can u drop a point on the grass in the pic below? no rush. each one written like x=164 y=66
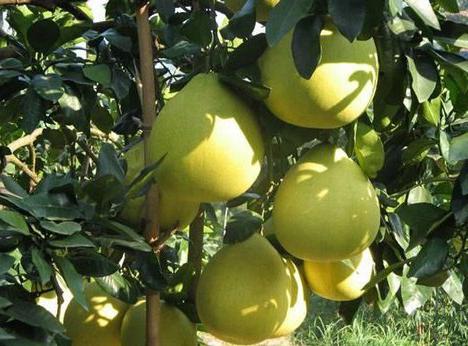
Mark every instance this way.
x=441 y=322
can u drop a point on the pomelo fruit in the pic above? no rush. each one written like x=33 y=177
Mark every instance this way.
x=243 y=293
x=262 y=7
x=211 y=140
x=100 y=326
x=173 y=211
x=175 y=328
x=325 y=209
x=298 y=296
x=339 y=91
x=341 y=280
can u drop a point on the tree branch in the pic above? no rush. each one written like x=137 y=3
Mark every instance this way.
x=145 y=46
x=24 y=167
x=195 y=251
x=25 y=140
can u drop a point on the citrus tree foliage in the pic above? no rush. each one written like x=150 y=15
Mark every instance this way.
x=70 y=106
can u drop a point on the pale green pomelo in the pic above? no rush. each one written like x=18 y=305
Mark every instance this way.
x=243 y=293
x=325 y=209
x=100 y=326
x=262 y=7
x=341 y=280
x=212 y=140
x=339 y=91
x=174 y=327
x=173 y=211
x=213 y=143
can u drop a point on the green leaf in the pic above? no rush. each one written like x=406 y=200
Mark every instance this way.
x=63 y=228
x=430 y=259
x=108 y=163
x=242 y=23
x=12 y=186
x=459 y=203
x=117 y=40
x=283 y=17
x=369 y=149
x=383 y=274
x=306 y=48
x=43 y=34
x=198 y=28
x=424 y=76
x=459 y=148
x=241 y=226
x=449 y=5
x=424 y=10
x=417 y=150
x=6 y=261
x=247 y=53
x=34 y=315
x=431 y=111
x=147 y=265
x=73 y=241
x=421 y=218
x=348 y=309
x=49 y=87
x=453 y=33
x=32 y=109
x=165 y=8
x=454 y=288
x=118 y=286
x=15 y=220
x=100 y=73
x=73 y=279
x=450 y=59
x=128 y=244
x=43 y=267
x=348 y=16
x=91 y=263
x=413 y=296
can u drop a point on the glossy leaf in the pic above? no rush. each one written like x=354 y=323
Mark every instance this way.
x=454 y=288
x=430 y=259
x=283 y=17
x=431 y=111
x=424 y=76
x=49 y=87
x=6 y=261
x=63 y=228
x=241 y=226
x=306 y=48
x=100 y=73
x=43 y=267
x=34 y=315
x=424 y=10
x=15 y=220
x=73 y=279
x=119 y=286
x=348 y=16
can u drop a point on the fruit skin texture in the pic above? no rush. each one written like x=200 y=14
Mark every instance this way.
x=175 y=328
x=213 y=143
x=339 y=91
x=299 y=294
x=100 y=326
x=172 y=210
x=243 y=293
x=263 y=7
x=342 y=280
x=325 y=209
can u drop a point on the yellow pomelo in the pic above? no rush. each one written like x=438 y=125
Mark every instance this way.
x=213 y=143
x=341 y=280
x=262 y=7
x=243 y=293
x=298 y=295
x=325 y=209
x=49 y=302
x=100 y=326
x=173 y=211
x=339 y=91
x=175 y=328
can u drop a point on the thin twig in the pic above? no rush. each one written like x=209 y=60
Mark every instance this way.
x=24 y=167
x=83 y=145
x=195 y=251
x=25 y=140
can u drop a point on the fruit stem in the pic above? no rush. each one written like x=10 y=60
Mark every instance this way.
x=147 y=73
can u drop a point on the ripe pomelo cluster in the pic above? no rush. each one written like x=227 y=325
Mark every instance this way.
x=339 y=91
x=210 y=141
x=175 y=329
x=110 y=322
x=247 y=294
